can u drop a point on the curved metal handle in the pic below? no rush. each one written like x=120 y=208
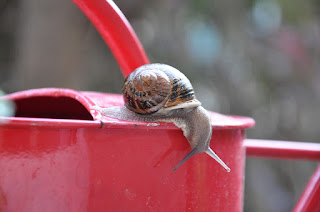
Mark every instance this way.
x=116 y=32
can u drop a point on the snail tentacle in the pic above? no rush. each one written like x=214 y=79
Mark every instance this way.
x=188 y=156
x=212 y=154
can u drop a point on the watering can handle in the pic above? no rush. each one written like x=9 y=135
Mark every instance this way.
x=116 y=32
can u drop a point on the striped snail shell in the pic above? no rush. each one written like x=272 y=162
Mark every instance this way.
x=161 y=93
x=157 y=86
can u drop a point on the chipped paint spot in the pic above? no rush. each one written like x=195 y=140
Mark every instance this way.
x=34 y=124
x=153 y=124
x=129 y=194
x=148 y=200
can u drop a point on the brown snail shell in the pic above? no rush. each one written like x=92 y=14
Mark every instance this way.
x=155 y=86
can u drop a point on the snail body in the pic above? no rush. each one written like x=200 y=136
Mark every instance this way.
x=161 y=93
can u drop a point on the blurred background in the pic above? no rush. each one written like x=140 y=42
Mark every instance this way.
x=251 y=58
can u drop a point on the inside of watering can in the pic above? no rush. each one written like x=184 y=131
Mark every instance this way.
x=51 y=107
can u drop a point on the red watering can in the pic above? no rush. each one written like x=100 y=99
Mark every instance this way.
x=57 y=154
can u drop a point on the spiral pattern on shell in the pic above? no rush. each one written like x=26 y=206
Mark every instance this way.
x=155 y=86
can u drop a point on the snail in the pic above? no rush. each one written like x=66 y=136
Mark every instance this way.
x=161 y=93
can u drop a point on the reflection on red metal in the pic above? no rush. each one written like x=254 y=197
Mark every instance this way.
x=59 y=164
x=116 y=31
x=310 y=198
x=282 y=149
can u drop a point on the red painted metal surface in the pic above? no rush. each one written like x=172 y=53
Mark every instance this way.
x=310 y=198
x=116 y=31
x=59 y=164
x=282 y=149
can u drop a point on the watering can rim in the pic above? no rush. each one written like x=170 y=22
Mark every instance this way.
x=89 y=99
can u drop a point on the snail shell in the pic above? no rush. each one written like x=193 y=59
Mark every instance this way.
x=158 y=86
x=161 y=93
